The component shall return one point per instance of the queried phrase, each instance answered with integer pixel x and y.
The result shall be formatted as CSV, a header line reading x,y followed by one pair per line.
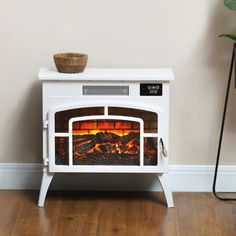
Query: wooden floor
x,y
131,214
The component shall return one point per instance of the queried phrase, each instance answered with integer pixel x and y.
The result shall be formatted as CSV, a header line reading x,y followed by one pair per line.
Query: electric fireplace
x,y
106,121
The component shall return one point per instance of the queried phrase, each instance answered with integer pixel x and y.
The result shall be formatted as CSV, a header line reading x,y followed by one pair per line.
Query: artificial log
x,y
107,159
106,148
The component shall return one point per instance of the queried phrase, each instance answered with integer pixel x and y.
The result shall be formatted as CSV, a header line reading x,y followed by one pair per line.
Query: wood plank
x,y
9,202
116,213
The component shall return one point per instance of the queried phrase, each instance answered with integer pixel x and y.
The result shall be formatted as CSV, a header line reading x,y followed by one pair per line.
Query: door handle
x,y
163,148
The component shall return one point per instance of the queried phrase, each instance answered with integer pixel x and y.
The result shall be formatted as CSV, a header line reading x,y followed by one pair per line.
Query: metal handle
x,y
164,151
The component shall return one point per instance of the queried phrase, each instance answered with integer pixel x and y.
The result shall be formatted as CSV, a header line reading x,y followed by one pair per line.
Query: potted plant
x,y
230,4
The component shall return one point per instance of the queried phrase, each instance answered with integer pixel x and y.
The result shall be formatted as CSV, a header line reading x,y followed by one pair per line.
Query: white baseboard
x,y
184,178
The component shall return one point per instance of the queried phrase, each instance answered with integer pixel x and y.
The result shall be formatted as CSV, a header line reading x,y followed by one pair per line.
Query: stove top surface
x,y
111,74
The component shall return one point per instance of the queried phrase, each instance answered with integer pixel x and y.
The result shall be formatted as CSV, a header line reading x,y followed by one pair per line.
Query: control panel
x,y
150,89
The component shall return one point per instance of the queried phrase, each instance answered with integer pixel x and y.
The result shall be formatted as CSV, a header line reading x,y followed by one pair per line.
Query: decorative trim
x,y
184,178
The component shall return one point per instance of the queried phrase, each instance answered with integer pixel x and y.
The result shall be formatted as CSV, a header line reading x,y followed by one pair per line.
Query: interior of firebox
x,y
106,141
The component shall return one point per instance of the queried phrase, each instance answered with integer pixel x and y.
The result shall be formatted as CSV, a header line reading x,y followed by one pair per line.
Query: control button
x,y
152,89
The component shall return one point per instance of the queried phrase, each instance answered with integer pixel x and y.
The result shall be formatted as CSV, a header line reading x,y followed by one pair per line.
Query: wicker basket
x,y
70,62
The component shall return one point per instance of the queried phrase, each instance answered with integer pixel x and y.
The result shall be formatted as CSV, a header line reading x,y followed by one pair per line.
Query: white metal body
x,y
65,91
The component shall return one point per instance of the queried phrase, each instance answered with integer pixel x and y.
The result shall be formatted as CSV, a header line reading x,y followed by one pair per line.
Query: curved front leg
x,y
46,180
165,184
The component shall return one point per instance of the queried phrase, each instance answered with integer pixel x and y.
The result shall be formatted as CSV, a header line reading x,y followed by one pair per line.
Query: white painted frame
x,y
161,166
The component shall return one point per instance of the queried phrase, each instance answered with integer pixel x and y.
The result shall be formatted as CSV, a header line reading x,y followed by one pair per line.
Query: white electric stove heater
x,y
106,121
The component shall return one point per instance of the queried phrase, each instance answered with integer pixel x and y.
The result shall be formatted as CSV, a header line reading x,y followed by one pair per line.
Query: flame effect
x,y
104,142
95,131
108,142
94,127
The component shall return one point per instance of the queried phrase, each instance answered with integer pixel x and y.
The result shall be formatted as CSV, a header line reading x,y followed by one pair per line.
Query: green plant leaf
x,y
231,4
230,36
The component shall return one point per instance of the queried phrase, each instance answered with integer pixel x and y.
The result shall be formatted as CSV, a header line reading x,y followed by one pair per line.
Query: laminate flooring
x,y
115,213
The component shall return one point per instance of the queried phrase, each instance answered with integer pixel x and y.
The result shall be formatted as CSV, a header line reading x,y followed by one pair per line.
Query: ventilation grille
x,y
106,90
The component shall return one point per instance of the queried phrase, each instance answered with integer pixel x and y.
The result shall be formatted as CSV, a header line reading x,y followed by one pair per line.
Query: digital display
x,y
150,89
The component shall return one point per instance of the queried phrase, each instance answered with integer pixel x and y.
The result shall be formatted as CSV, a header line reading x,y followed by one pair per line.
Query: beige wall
x,y
133,33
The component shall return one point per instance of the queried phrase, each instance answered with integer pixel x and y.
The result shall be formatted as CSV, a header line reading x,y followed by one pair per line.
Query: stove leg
x,y
165,184
46,180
